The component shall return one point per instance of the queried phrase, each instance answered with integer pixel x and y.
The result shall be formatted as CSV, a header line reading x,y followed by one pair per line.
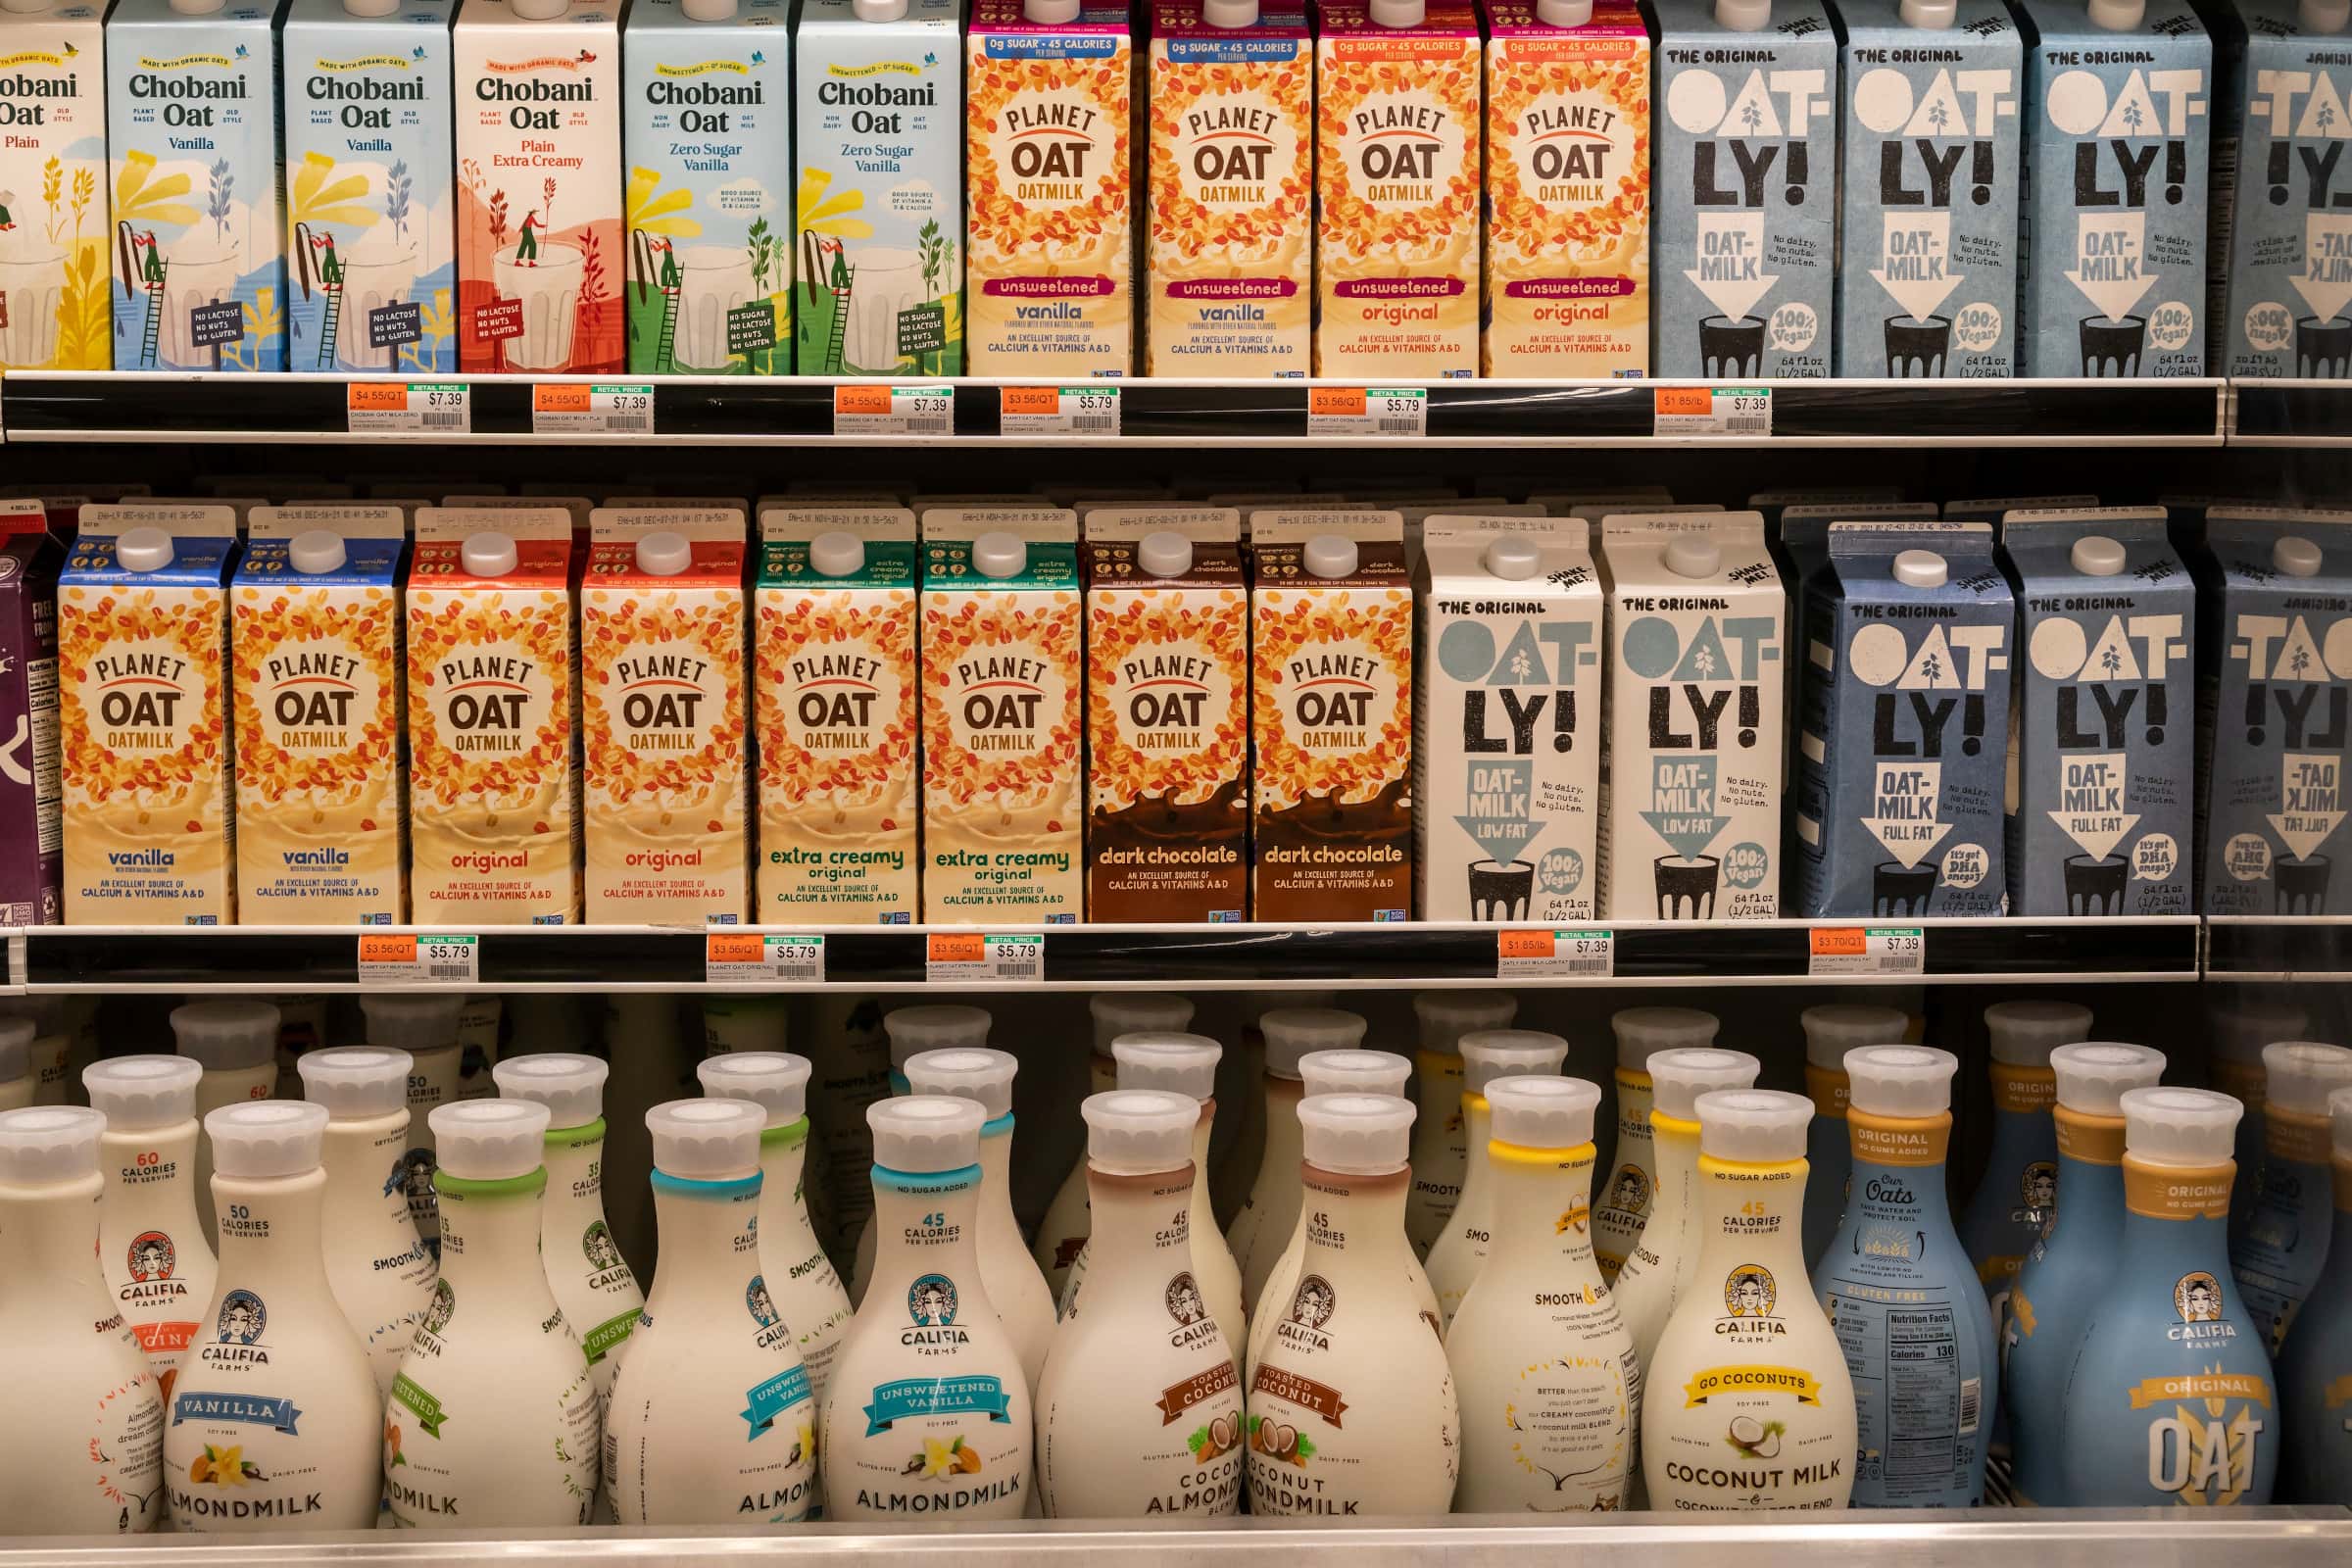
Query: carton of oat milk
x,y
878,138
1167,714
1693,715
1908,637
56,278
837,708
1003,667
1506,711
494,702
1928,283
1745,240
664,777
2274,707
32,891
2102,742
142,643
2116,130
1331,712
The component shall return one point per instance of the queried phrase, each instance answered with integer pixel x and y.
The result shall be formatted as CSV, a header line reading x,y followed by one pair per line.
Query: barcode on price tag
x,y
1871,950
759,958
1712,411
1367,411
431,958
972,957
894,411
387,408
610,409
1091,411
1541,955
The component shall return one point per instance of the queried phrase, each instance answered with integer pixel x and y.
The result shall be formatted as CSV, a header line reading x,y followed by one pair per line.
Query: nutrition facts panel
x,y
1905,1360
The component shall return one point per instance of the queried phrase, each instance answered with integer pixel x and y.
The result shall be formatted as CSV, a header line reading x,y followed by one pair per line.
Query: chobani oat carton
x,y
493,718
837,706
664,773
1002,654
142,646
316,691
32,860
1331,713
1167,714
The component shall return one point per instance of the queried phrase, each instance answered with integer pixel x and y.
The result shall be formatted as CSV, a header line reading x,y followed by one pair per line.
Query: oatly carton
x,y
2116,132
55,277
1167,714
1693,716
1928,283
1507,710
1908,637
1331,712
2275,709
1746,236
2102,741
31,864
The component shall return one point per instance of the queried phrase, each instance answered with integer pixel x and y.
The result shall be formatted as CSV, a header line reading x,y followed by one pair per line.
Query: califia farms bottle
x,y
1062,1234
18,1082
1269,1216
157,1258
912,1031
235,1043
2017,1193
1486,1054
2315,1374
2279,1254
376,1264
1831,1031
1621,1206
2242,1025
425,1024
1440,1132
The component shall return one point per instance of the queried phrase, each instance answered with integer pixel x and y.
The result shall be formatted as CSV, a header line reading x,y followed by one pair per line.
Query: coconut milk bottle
x,y
55,271
378,1268
2284,1247
1442,1142
1831,1031
157,1258
1664,1260
2315,1374
2017,1193
1062,1235
1462,1249
1261,1231
1623,1207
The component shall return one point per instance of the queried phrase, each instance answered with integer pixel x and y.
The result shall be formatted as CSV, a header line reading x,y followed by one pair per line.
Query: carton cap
x,y
492,554
1753,1126
707,1140
44,1144
265,1139
665,554
709,10
1229,12
2118,16
1334,554
1355,1072
1901,1080
1744,16
2292,554
878,10
357,1083
1835,1028
1540,1111
1514,557
538,9
2092,1076
1691,555
23,7
2094,555
1049,13
315,551
2193,1127
369,7
1563,13
1168,554
2299,1076
571,1088
921,1134
1398,13
837,553
998,554
1930,13
1356,1134
150,550
1921,568
138,1093
2324,16
1139,1132
196,8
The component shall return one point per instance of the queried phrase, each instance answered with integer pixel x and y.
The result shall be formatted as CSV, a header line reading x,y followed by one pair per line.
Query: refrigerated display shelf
x,y
2279,949
2290,414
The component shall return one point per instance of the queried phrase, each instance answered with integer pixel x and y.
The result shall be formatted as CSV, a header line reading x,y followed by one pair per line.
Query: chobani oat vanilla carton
x,y
143,649
1167,714
493,718
837,706
664,716
1003,664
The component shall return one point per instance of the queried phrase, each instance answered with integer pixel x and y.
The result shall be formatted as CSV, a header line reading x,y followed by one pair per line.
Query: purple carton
x,y
31,846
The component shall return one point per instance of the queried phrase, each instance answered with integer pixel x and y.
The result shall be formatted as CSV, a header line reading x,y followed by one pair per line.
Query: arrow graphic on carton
x,y
2311,787
1730,263
2325,282
1682,790
1917,262
2092,789
1903,804
1501,814
2111,262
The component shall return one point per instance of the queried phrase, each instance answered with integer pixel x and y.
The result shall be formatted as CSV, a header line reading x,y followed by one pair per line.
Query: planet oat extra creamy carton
x,y
31,864
2102,734
1506,707
56,276
837,708
142,648
1746,239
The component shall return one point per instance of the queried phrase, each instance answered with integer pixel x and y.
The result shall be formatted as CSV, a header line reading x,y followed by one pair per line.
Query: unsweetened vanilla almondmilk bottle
x,y
158,1260
1486,1054
376,1263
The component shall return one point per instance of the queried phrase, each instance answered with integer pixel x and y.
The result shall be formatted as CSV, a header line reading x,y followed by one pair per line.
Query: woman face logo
x,y
2040,1186
444,1304
1748,1292
1314,1303
242,1318
1184,1300
598,1245
151,1256
2197,1298
931,1302
1631,1194
756,1297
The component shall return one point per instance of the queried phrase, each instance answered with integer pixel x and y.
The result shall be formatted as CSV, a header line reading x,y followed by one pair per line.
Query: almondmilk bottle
x,y
1442,1146
912,1031
376,1264
1622,1200
2019,1190
1061,1236
1832,1029
1461,1251
56,271
157,1258
2285,1244
1664,1260
424,1026
2315,1374
235,1041
1261,1232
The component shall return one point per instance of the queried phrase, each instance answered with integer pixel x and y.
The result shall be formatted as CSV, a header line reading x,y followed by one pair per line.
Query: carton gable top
x,y
1881,23
485,14
1991,509
1870,541
433,13
2244,538
457,523
1853,512
722,524
1280,23
840,17
1084,32
1338,19
2054,23
1035,524
1601,511
1706,519
369,561
1636,548
1481,527
356,520
26,515
2044,524
1518,19
1294,525
2041,544
1454,549
181,519
1201,524
780,523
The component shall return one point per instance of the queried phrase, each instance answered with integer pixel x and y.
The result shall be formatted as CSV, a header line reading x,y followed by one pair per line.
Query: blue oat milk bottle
x,y
2019,1190
2279,1254
2315,1375
1831,1031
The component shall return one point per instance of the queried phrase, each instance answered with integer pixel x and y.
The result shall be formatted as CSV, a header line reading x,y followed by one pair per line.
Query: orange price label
x,y
387,949
1336,402
961,957
733,947
1871,949
1510,945
860,400
955,946
426,958
1839,942
759,958
378,408
376,397
560,397
894,411
1687,401
1589,955
1043,401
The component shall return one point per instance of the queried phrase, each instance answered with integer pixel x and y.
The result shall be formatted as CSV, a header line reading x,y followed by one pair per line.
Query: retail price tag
x,y
894,411
1074,411
404,960
1390,411
1871,950
611,407
762,958
1712,411
407,408
1555,954
968,957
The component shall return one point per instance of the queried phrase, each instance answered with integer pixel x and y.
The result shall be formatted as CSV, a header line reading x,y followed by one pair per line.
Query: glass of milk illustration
x,y
381,271
710,281
546,277
32,273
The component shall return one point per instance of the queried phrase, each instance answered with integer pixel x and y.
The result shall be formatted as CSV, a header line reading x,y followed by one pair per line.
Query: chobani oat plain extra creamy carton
x,y
493,718
1003,661
663,717
142,646
1167,714
837,706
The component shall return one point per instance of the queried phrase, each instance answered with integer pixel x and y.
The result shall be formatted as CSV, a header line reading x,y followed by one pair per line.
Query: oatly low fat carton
x,y
32,865
1908,636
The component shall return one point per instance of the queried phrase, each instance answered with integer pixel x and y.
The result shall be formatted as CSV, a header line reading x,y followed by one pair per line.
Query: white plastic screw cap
x,y
1693,555
1292,1032
143,550
837,553
357,1083
1753,1126
369,7
2118,16
1356,1134
1139,1132
1643,1032
42,1144
225,1036
1229,12
878,10
318,549
1355,1072
2296,556
922,1134
1166,553
708,9
1049,13
998,554
707,1140
935,1027
1563,13
489,1139
2094,1076
1491,1054
492,554
140,1093
777,1081
265,1139
2094,555
1173,1064
976,1073
571,1088
2323,16
1678,1077
2193,1127
2240,1029
1930,13
2025,1033
1921,568
538,9
1398,13
25,7
1446,1016
1542,1110
2300,1076
15,1050
1835,1028
414,1020
1901,1080
666,554
1330,555
1125,1012
1513,557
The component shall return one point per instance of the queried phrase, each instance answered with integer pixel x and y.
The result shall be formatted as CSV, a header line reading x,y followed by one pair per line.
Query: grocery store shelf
x,y
2279,947
2290,414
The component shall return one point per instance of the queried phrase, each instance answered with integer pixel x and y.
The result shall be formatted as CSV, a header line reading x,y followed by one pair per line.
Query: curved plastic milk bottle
x,y
2017,1193
157,1259
425,1024
235,1043
18,1082
2315,1375
493,1421
1551,1388
1442,1141
91,1459
2284,1247
274,1421
1622,1206
1262,1231
49,1047
2073,1264
1746,1404
1139,1410
1486,1054
1245,1157
2241,1027
912,1031
931,1414
742,1023
375,1264
1658,1272
2170,1399
712,1419
1062,1234
1906,1305
1831,1031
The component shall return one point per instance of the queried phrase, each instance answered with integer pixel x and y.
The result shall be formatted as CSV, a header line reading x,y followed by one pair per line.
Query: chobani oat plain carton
x,y
664,716
142,644
837,706
493,718
1003,656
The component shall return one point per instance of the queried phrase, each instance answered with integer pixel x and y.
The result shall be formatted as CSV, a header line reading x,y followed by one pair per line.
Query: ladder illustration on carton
x,y
825,272
145,267
317,266
656,266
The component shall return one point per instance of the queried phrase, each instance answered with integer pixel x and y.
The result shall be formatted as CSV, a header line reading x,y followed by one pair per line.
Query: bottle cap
x,y
538,9
1167,552
1901,1080
2025,1033
15,1050
318,550
1292,1032
666,554
1398,13
977,1074
1229,12
1836,1027
2193,1127
2118,16
1173,1064
1355,1072
1448,1016
488,1140
920,1134
571,1088
933,1028
2240,1029
999,554
707,1140
263,1140
1049,13
837,553
47,1013
40,1144
1356,1134
492,554
1139,1132
1563,13
414,1021
1678,1077
1694,554
1542,1110
1125,1012
356,1083
1491,1054
140,1093
225,1036
1744,16
1513,557
2094,555
1921,568
370,8
2322,17
2092,1076
777,1081
2300,1075
1257,1003
1753,1126
1331,555
2340,1116
1643,1032
708,9
878,10
143,550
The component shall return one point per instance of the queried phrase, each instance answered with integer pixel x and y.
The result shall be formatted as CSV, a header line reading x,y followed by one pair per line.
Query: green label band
x,y
612,1331
580,1136
791,1136
523,1186
428,1409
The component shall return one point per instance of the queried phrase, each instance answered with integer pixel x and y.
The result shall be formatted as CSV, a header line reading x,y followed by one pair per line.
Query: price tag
x,y
423,960
894,411
759,958
1367,411
970,958
621,408
1712,411
1871,950
1543,955
395,408
1088,411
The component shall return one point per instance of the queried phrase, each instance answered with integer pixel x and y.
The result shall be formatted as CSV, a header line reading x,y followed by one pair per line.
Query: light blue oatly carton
x,y
1926,285
2117,138
1746,195
1907,646
2102,735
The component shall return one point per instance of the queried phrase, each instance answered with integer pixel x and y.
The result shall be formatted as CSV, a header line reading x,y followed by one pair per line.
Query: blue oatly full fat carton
x,y
1907,645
